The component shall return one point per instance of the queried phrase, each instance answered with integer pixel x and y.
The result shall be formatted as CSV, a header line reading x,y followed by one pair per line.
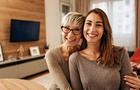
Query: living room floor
x,y
42,78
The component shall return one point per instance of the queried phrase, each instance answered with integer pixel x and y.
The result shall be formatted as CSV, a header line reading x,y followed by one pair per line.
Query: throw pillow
x,y
136,56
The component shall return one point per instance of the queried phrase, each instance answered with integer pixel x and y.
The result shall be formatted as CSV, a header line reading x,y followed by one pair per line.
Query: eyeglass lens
x,y
67,30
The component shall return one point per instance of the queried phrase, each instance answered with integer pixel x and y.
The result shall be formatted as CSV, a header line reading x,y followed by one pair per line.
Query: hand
x,y
133,81
133,89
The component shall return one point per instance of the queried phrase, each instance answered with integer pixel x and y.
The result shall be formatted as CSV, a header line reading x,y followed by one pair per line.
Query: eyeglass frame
x,y
70,30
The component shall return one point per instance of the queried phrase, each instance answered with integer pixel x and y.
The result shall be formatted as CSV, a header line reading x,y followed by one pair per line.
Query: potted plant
x,y
46,47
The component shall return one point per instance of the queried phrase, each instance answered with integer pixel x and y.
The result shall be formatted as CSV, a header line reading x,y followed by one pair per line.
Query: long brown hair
x,y
108,52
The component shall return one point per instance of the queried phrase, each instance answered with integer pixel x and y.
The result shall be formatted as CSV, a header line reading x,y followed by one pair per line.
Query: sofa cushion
x,y
136,56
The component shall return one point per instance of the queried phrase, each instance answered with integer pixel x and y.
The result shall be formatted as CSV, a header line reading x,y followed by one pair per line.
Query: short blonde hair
x,y
73,18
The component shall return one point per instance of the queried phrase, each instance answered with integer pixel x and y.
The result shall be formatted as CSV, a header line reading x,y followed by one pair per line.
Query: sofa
x,y
135,60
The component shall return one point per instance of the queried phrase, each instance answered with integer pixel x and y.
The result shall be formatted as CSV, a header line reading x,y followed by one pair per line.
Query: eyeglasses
x,y
66,30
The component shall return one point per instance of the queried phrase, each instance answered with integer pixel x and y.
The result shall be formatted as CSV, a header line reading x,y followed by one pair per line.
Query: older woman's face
x,y
93,28
71,34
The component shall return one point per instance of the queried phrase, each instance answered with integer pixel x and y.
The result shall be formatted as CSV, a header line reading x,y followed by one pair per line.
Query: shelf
x,y
19,61
21,68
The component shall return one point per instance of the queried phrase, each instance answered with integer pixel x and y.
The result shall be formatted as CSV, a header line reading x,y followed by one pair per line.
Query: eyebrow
x,y
96,22
76,28
89,20
99,22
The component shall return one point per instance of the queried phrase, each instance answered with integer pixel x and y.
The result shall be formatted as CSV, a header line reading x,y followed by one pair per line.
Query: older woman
x,y
100,65
57,58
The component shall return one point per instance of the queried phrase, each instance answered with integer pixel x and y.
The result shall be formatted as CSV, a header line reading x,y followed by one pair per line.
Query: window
x,y
64,9
121,14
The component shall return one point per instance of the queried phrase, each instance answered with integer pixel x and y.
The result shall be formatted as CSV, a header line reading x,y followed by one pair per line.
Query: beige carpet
x,y
43,80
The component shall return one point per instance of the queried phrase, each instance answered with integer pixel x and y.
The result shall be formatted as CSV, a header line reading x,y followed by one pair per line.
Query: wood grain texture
x,y
32,10
19,84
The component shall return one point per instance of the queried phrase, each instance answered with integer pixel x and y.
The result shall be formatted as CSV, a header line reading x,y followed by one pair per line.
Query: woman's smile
x,y
91,35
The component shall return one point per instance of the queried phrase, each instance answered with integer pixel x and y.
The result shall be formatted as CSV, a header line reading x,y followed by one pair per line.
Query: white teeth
x,y
71,40
92,35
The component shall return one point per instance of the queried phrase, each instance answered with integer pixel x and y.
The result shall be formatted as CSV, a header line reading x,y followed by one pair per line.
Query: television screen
x,y
22,30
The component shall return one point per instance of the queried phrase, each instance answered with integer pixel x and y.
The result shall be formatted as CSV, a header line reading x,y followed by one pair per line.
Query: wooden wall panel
x,y
33,10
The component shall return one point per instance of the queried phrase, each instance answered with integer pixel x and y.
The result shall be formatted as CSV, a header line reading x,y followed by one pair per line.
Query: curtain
x,y
137,4
82,6
121,14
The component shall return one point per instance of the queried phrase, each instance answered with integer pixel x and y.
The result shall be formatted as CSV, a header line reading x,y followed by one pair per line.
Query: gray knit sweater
x,y
88,75
58,69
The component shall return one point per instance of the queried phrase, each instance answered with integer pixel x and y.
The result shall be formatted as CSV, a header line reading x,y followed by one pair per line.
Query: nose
x,y
92,28
70,35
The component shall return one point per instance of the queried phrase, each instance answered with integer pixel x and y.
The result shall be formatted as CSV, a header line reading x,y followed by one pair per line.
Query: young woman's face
x,y
93,28
71,38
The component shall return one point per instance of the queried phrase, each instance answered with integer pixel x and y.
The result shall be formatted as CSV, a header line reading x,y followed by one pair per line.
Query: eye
x,y
76,29
89,24
67,28
98,25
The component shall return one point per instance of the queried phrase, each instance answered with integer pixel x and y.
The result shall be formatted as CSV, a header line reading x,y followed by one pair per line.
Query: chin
x,y
93,41
71,44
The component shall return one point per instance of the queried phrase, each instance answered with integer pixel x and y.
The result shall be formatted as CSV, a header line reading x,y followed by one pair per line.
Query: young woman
x,y
100,65
57,58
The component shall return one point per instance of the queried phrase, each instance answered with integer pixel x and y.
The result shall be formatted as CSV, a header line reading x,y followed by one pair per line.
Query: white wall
x,y
53,23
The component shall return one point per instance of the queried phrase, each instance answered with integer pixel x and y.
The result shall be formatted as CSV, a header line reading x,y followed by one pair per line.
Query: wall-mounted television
x,y
23,30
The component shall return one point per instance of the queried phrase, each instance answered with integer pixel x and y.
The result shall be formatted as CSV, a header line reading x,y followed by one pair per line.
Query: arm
x,y
56,71
74,74
133,81
125,69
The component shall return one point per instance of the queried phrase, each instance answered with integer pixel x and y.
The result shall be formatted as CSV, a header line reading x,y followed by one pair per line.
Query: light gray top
x,y
88,75
58,69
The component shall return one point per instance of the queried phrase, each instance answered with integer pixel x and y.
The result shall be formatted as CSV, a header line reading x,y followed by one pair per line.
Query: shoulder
x,y
73,60
122,53
74,57
52,51
119,50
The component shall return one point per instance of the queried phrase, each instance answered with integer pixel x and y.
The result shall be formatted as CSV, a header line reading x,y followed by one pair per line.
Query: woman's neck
x,y
67,50
91,52
93,47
